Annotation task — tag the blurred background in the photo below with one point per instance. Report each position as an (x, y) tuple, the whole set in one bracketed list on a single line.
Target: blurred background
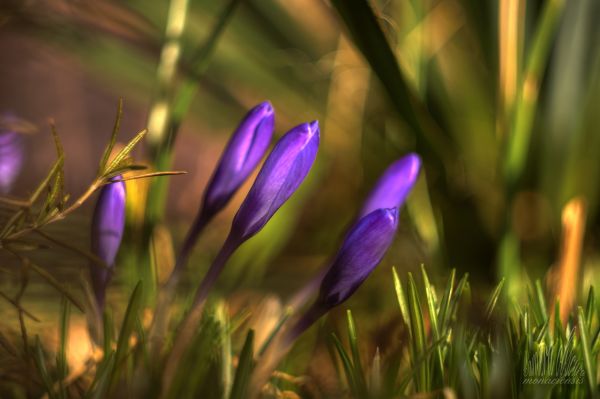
[(500, 99)]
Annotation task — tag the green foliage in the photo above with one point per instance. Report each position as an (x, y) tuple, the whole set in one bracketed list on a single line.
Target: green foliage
[(509, 352)]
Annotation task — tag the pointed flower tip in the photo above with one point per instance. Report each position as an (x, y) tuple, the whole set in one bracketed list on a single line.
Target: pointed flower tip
[(265, 108), (394, 185), (313, 128), (243, 152), (282, 173)]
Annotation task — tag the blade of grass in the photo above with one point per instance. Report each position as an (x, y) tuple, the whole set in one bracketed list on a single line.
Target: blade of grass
[(61, 358), (590, 366), (357, 368), (41, 367), (417, 333), (244, 369), (127, 327), (347, 364), (401, 298), (432, 305)]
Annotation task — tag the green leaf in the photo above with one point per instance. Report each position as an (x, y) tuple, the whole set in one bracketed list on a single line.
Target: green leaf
[(113, 139), (124, 153), (590, 307), (61, 358), (56, 169), (491, 305), (445, 305), (101, 382), (431, 305), (245, 366), (358, 369), (347, 364), (127, 327), (589, 360), (417, 333), (368, 36), (107, 326), (41, 367), (401, 298)]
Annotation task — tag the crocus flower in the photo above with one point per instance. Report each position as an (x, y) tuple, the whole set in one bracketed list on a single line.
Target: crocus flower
[(364, 246), (108, 224), (394, 185), (390, 191), (362, 250), (11, 156), (283, 171), (243, 152)]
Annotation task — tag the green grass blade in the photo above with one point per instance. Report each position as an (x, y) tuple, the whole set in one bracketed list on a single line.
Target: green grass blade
[(358, 370), (401, 298), (418, 337), (41, 367), (245, 366), (366, 32), (589, 360), (61, 358), (445, 304), (590, 307), (432, 305), (347, 364), (491, 305), (127, 327)]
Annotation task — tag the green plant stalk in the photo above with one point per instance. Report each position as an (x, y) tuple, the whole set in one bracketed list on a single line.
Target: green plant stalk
[(167, 112), (526, 106), (159, 137), (517, 146)]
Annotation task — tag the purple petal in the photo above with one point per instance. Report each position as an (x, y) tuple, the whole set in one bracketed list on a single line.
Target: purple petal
[(364, 247), (283, 171), (11, 159), (108, 224), (394, 185), (243, 152)]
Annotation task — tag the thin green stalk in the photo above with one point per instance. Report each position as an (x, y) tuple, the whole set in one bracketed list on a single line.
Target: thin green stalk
[(526, 106)]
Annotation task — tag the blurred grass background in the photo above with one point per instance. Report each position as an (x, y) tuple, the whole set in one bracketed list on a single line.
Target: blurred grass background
[(499, 98)]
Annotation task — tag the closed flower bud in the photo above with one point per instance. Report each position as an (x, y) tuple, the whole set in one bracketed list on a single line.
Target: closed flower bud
[(362, 250), (243, 152), (11, 156), (390, 191), (394, 185), (108, 224), (283, 171)]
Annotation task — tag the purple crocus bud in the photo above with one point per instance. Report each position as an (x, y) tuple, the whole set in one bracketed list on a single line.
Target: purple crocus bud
[(390, 191), (364, 246), (362, 250), (11, 156), (108, 224), (243, 152), (394, 185), (283, 171)]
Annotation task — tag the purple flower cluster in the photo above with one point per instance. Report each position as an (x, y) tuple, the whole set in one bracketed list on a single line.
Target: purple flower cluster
[(284, 169)]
